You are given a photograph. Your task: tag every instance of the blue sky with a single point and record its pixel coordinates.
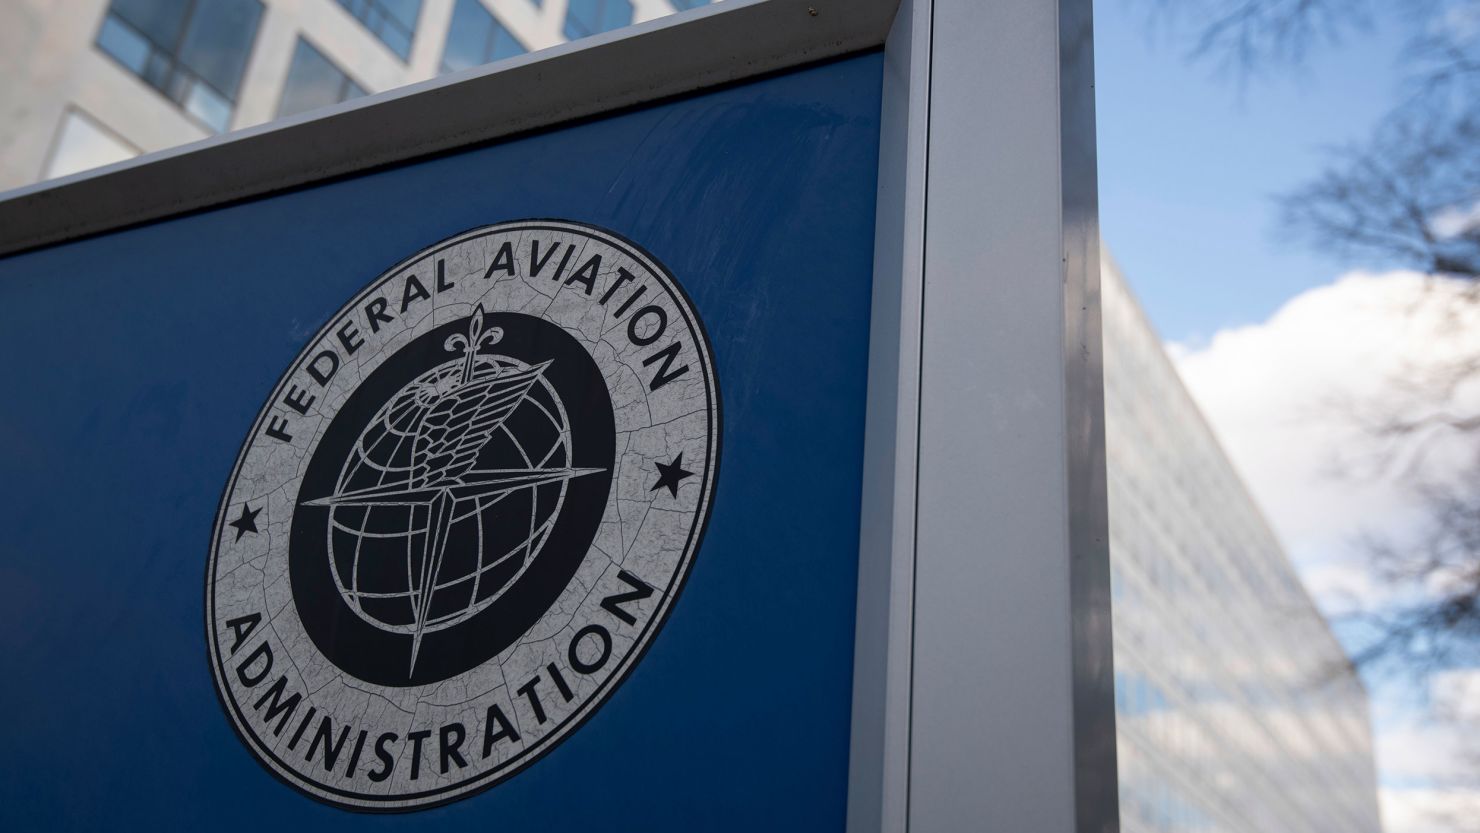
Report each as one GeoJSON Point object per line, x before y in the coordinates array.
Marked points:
{"type": "Point", "coordinates": [1190, 160]}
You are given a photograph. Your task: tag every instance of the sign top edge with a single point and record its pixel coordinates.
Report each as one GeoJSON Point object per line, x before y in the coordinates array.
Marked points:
{"type": "Point", "coordinates": [681, 53]}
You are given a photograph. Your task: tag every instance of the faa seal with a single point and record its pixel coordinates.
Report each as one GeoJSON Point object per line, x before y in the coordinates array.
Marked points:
{"type": "Point", "coordinates": [462, 515]}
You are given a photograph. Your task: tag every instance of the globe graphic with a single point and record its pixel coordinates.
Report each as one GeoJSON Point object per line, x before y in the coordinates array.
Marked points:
{"type": "Point", "coordinates": [379, 553]}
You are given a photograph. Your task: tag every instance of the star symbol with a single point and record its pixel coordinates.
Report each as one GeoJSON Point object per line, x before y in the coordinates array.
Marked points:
{"type": "Point", "coordinates": [247, 522]}
{"type": "Point", "coordinates": [669, 474]}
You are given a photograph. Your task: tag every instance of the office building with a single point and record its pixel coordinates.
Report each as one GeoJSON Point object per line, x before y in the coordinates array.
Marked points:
{"type": "Point", "coordinates": [89, 82]}
{"type": "Point", "coordinates": [1237, 710]}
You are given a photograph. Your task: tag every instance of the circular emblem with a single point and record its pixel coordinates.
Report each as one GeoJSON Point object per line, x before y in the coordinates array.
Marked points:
{"type": "Point", "coordinates": [462, 515]}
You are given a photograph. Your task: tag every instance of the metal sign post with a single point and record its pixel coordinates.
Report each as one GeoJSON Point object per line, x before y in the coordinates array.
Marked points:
{"type": "Point", "coordinates": [984, 686]}
{"type": "Point", "coordinates": [696, 426]}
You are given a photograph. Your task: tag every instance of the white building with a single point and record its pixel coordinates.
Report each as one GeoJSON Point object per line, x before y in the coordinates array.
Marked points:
{"type": "Point", "coordinates": [88, 82]}
{"type": "Point", "coordinates": [1236, 708]}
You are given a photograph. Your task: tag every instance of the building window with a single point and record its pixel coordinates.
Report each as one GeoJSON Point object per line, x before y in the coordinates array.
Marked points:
{"type": "Point", "coordinates": [192, 51]}
{"type": "Point", "coordinates": [476, 38]}
{"type": "Point", "coordinates": [82, 143]}
{"type": "Point", "coordinates": [685, 5]}
{"type": "Point", "coordinates": [393, 21]}
{"type": "Point", "coordinates": [591, 17]}
{"type": "Point", "coordinates": [314, 82]}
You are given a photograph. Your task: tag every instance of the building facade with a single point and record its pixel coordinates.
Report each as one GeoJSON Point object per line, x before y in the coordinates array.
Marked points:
{"type": "Point", "coordinates": [1237, 710]}
{"type": "Point", "coordinates": [89, 82]}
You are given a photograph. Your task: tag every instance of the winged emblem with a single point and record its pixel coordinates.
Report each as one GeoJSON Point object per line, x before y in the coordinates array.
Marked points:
{"type": "Point", "coordinates": [459, 417]}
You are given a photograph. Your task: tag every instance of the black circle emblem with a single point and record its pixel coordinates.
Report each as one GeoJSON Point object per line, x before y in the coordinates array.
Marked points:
{"type": "Point", "coordinates": [384, 554]}
{"type": "Point", "coordinates": [462, 514]}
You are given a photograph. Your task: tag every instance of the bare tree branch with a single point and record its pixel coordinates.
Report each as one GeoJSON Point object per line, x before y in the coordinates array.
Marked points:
{"type": "Point", "coordinates": [1410, 197]}
{"type": "Point", "coordinates": [1253, 37]}
{"type": "Point", "coordinates": [1438, 626]}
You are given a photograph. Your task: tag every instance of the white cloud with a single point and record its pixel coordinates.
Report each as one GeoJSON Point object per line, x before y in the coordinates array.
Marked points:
{"type": "Point", "coordinates": [1287, 399]}
{"type": "Point", "coordinates": [1456, 220]}
{"type": "Point", "coordinates": [1292, 398]}
{"type": "Point", "coordinates": [1342, 584]}
{"type": "Point", "coordinates": [1456, 695]}
{"type": "Point", "coordinates": [1430, 770]}
{"type": "Point", "coordinates": [1424, 752]}
{"type": "Point", "coordinates": [1429, 810]}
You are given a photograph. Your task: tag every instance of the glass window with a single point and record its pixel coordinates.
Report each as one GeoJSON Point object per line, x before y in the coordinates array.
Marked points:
{"type": "Point", "coordinates": [476, 37]}
{"type": "Point", "coordinates": [157, 20]}
{"type": "Point", "coordinates": [126, 45]}
{"type": "Point", "coordinates": [213, 45]}
{"type": "Point", "coordinates": [192, 51]}
{"type": "Point", "coordinates": [685, 5]}
{"type": "Point", "coordinates": [314, 82]}
{"type": "Point", "coordinates": [393, 21]}
{"type": "Point", "coordinates": [590, 17]}
{"type": "Point", "coordinates": [83, 143]}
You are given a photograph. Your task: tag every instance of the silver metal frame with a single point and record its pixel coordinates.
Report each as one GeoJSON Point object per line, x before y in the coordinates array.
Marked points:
{"type": "Point", "coordinates": [661, 58]}
{"type": "Point", "coordinates": [983, 684]}
{"type": "Point", "coordinates": [983, 677]}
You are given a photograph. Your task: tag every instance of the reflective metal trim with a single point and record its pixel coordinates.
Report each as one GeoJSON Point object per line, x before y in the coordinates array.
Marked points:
{"type": "Point", "coordinates": [664, 57]}
{"type": "Point", "coordinates": [878, 778]}
{"type": "Point", "coordinates": [1096, 778]}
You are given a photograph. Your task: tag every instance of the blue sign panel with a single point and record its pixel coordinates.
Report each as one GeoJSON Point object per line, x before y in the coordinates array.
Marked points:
{"type": "Point", "coordinates": [644, 333]}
